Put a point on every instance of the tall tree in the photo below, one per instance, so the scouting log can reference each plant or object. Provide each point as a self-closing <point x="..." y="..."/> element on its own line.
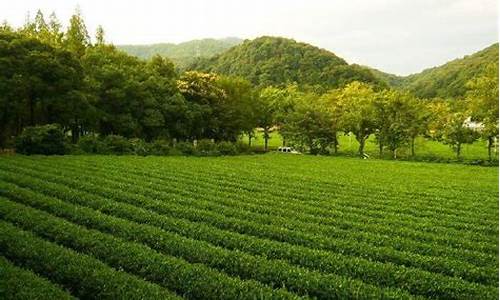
<point x="358" y="114"/>
<point x="449" y="124"/>
<point x="400" y="119"/>
<point x="99" y="36"/>
<point x="310" y="125"/>
<point x="331" y="102"/>
<point x="77" y="37"/>
<point x="267" y="110"/>
<point x="483" y="99"/>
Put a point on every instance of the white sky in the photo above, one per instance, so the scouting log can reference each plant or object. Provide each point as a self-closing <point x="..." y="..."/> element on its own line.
<point x="397" y="36"/>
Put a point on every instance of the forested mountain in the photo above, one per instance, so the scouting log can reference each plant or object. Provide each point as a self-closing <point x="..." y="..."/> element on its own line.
<point x="277" y="61"/>
<point x="445" y="81"/>
<point x="185" y="53"/>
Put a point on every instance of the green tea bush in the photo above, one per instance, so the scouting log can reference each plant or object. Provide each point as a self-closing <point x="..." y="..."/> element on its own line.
<point x="18" y="283"/>
<point x="163" y="220"/>
<point x="46" y="139"/>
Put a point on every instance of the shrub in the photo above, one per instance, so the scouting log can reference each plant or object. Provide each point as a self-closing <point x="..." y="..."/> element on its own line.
<point x="139" y="147"/>
<point x="47" y="139"/>
<point x="227" y="148"/>
<point x="160" y="147"/>
<point x="243" y="148"/>
<point x="90" y="144"/>
<point x="116" y="144"/>
<point x="206" y="147"/>
<point x="186" y="148"/>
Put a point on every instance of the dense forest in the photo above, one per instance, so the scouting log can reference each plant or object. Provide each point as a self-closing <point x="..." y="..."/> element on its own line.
<point x="450" y="79"/>
<point x="91" y="91"/>
<point x="279" y="61"/>
<point x="182" y="54"/>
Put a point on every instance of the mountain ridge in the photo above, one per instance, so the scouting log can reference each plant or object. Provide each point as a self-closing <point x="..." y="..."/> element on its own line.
<point x="308" y="64"/>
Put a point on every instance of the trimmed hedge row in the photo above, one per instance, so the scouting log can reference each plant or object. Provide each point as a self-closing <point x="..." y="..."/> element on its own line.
<point x="276" y="273"/>
<point x="311" y="207"/>
<point x="363" y="233"/>
<point x="17" y="283"/>
<point x="265" y="207"/>
<point x="384" y="254"/>
<point x="414" y="280"/>
<point x="188" y="280"/>
<point x="82" y="275"/>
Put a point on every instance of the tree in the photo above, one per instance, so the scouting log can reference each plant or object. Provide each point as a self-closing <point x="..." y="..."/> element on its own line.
<point x="483" y="100"/>
<point x="266" y="110"/>
<point x="284" y="106"/>
<point x="331" y="102"/>
<point x="310" y="125"/>
<point x="99" y="36"/>
<point x="56" y="35"/>
<point x="235" y="111"/>
<point x="202" y="94"/>
<point x="37" y="83"/>
<point x="113" y="82"/>
<point x="449" y="124"/>
<point x="358" y="114"/>
<point x="400" y="119"/>
<point x="77" y="37"/>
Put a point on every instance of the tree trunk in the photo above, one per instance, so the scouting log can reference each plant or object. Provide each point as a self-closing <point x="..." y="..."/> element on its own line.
<point x="249" y="140"/>
<point x="394" y="155"/>
<point x="75" y="132"/>
<point x="412" y="146"/>
<point x="459" y="148"/>
<point x="284" y="142"/>
<point x="335" y="145"/>
<point x="361" y="146"/>
<point x="31" y="104"/>
<point x="266" y="139"/>
<point x="380" y="149"/>
<point x="490" y="144"/>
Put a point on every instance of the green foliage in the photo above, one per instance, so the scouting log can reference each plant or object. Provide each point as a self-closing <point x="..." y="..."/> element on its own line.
<point x="17" y="283"/>
<point x="47" y="140"/>
<point x="90" y="144"/>
<point x="183" y="54"/>
<point x="116" y="144"/>
<point x="269" y="61"/>
<point x="358" y="114"/>
<point x="449" y="124"/>
<point x="400" y="119"/>
<point x="227" y="148"/>
<point x="249" y="232"/>
<point x="84" y="276"/>
<point x="39" y="84"/>
<point x="450" y="80"/>
<point x="309" y="125"/>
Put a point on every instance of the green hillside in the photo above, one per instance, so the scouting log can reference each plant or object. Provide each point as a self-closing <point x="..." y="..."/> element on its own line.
<point x="448" y="80"/>
<point x="275" y="60"/>
<point x="182" y="54"/>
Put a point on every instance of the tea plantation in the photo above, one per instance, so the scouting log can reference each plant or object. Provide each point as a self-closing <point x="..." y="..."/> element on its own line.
<point x="248" y="227"/>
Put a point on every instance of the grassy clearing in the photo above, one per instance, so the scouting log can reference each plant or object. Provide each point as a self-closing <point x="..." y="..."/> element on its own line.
<point x="424" y="148"/>
<point x="266" y="226"/>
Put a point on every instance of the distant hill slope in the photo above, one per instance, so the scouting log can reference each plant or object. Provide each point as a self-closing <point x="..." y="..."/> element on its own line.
<point x="182" y="54"/>
<point x="275" y="60"/>
<point x="448" y="80"/>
